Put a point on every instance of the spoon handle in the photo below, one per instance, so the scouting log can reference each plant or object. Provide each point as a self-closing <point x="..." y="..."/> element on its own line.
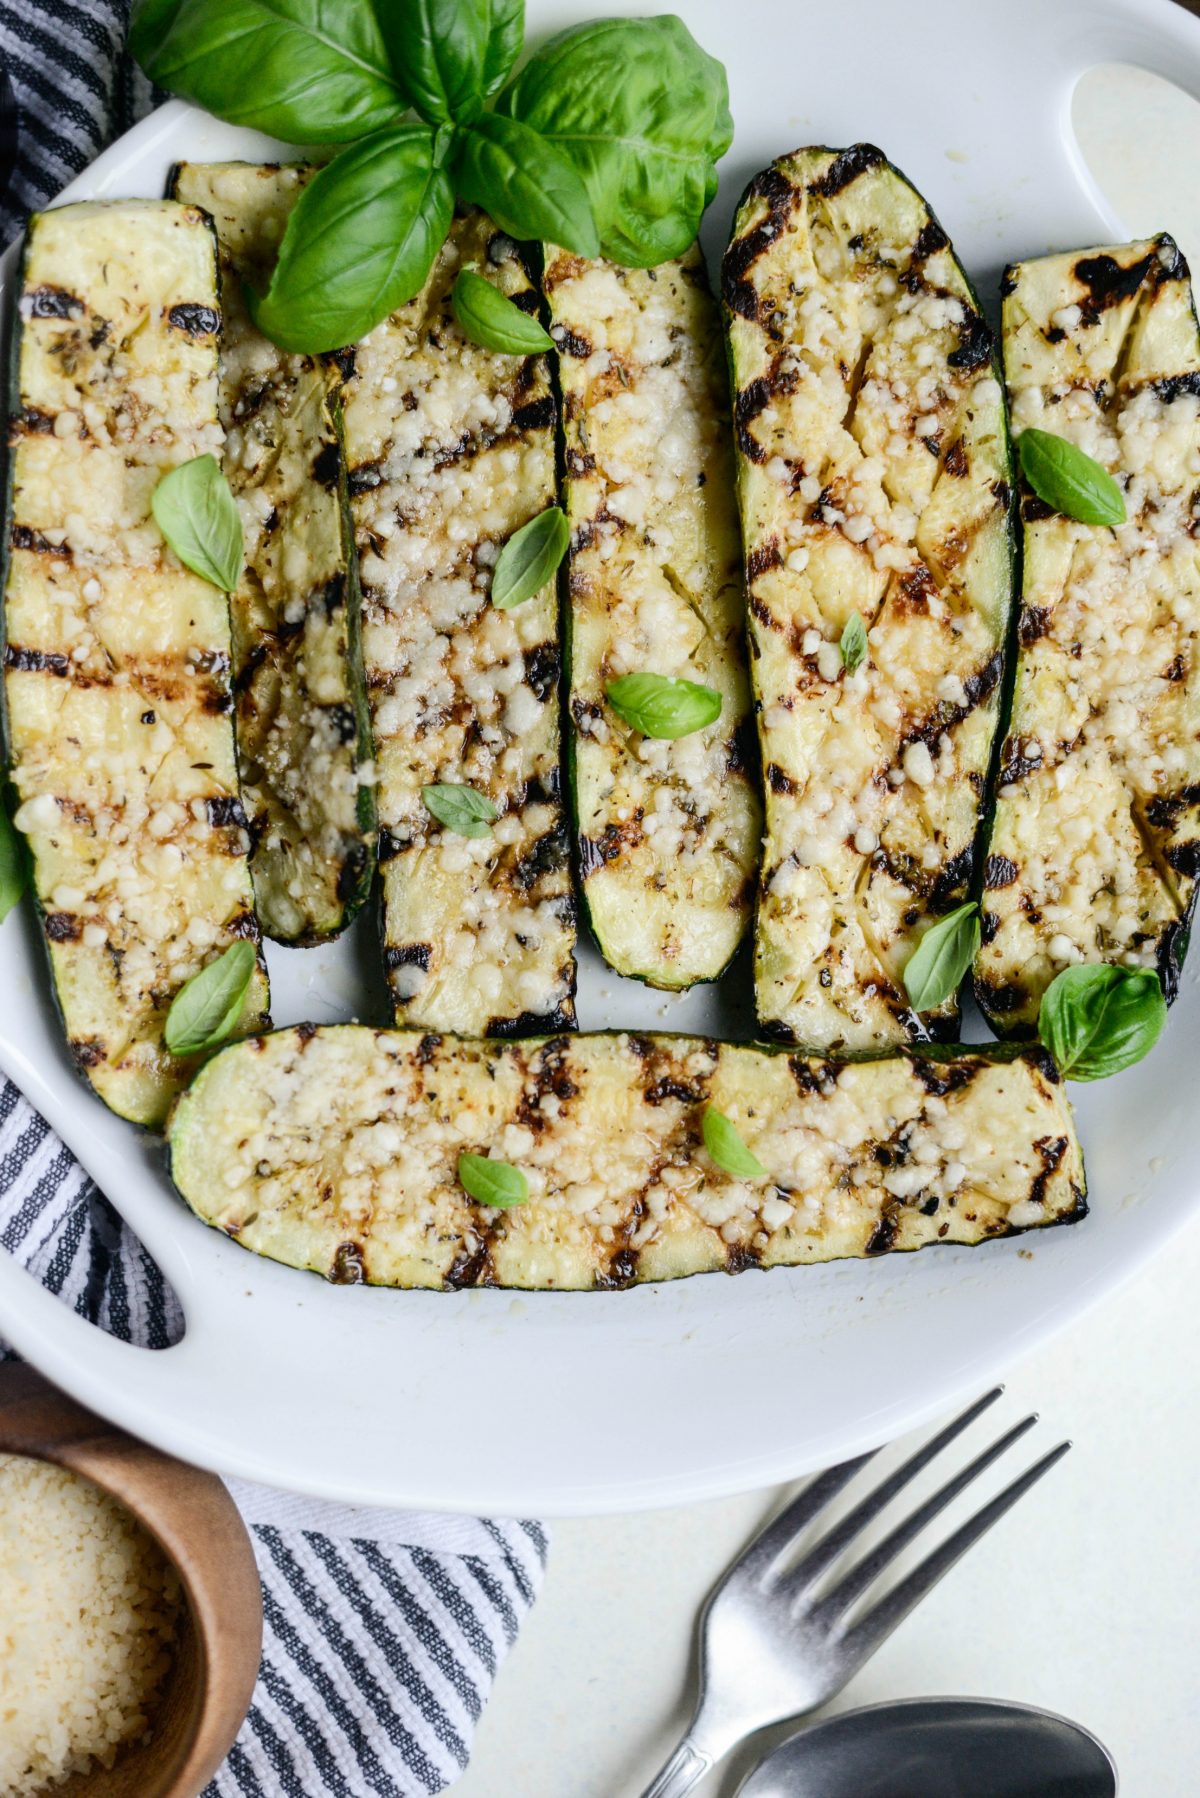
<point x="685" y="1769"/>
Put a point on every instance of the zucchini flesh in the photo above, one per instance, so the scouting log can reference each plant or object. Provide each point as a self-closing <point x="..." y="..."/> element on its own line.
<point x="667" y="833"/>
<point x="1095" y="844"/>
<point x="116" y="657"/>
<point x="303" y="731"/>
<point x="450" y="449"/>
<point x="874" y="476"/>
<point x="336" y="1149"/>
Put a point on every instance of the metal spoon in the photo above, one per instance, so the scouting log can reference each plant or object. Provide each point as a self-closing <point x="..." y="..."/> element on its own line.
<point x="938" y="1748"/>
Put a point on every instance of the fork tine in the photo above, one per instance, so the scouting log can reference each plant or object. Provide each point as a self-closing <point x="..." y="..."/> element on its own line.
<point x="867" y="1634"/>
<point x="771" y="1543"/>
<point x="830" y="1546"/>
<point x="868" y="1569"/>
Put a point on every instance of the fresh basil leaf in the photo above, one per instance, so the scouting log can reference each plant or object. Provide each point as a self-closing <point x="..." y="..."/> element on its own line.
<point x="1096" y="1019"/>
<point x="196" y="512"/>
<point x="309" y="71"/>
<point x="1068" y="479"/>
<point x="724" y="1143"/>
<point x="14" y="863"/>
<point x="505" y="41"/>
<point x="490" y="319"/>
<point x="853" y="643"/>
<point x="460" y="808"/>
<point x="441" y="46"/>
<point x="359" y="242"/>
<point x="207" y="1007"/>
<point x="659" y="705"/>
<point x="643" y="113"/>
<point x="495" y="1183"/>
<point x="529" y="558"/>
<point x="935" y="969"/>
<point x="530" y="186"/>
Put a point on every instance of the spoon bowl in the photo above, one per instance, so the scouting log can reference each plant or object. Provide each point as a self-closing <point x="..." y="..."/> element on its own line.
<point x="938" y="1748"/>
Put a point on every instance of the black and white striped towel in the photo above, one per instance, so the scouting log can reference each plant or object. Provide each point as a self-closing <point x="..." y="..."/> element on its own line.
<point x="383" y="1631"/>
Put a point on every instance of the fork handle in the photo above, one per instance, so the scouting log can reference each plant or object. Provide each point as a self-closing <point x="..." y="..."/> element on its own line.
<point x="685" y="1769"/>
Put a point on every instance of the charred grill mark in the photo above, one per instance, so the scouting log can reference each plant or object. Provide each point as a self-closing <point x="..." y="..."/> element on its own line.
<point x="950" y="885"/>
<point x="945" y="717"/>
<point x="364" y="479"/>
<point x="390" y="846"/>
<point x="427" y="1048"/>
<point x="24" y="538"/>
<point x="344" y="721"/>
<point x="1000" y="999"/>
<point x="580" y="464"/>
<point x="813" y="1078"/>
<point x="751" y="400"/>
<point x="39" y="661"/>
<point x="29" y="422"/>
<point x="543" y="664"/>
<point x="884" y="1234"/>
<point x="343" y="361"/>
<point x="326" y="464"/>
<point x="743" y="747"/>
<point x="538" y="415"/>
<point x="667" y="1087"/>
<point x="570" y="343"/>
<point x="940" y="1078"/>
<point x="50" y="302"/>
<point x="1051" y="1150"/>
<point x="194" y="320"/>
<point x="348" y="1267"/>
<point x="778" y="781"/>
<point x="471" y="1267"/>
<point x="999" y="871"/>
<point x="773" y="186"/>
<point x="1176" y="670"/>
<point x="250" y="667"/>
<point x="244" y="926"/>
<point x="88" y="1052"/>
<point x="534" y="1023"/>
<point x="1108" y="283"/>
<point x="1034" y="510"/>
<point x="595" y="852"/>
<point x="547" y="855"/>
<point x="989" y="927"/>
<point x="1175" y="386"/>
<point x="956" y="463"/>
<point x="225" y="810"/>
<point x="974" y="343"/>
<point x="1172" y="949"/>
<point x="63" y="927"/>
<point x="766" y="556"/>
<point x="1008" y="280"/>
<point x="930" y="239"/>
<point x="550" y="1075"/>
<point x="1185" y="858"/>
<point x="846" y="167"/>
<point x="1035" y="623"/>
<point x="404" y="955"/>
<point x="351" y="871"/>
<point x="1163" y="810"/>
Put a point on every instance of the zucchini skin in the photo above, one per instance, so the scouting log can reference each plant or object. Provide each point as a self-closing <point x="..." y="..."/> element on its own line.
<point x="1094" y="846"/>
<point x="303" y="726"/>
<point x="666" y="833"/>
<point x="116" y="659"/>
<point x="450" y="449"/>
<point x="874" y="475"/>
<point x="335" y="1149"/>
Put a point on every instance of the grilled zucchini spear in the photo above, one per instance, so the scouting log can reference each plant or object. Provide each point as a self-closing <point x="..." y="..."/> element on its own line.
<point x="116" y="658"/>
<point x="873" y="473"/>
<point x="303" y="733"/>
<point x="667" y="831"/>
<point x="337" y="1150"/>
<point x="450" y="449"/>
<point x="1095" y="845"/>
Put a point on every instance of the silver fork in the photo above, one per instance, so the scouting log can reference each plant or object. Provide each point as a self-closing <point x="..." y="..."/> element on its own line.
<point x="770" y="1649"/>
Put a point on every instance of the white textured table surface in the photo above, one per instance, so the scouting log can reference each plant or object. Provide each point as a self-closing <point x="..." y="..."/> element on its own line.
<point x="1085" y="1598"/>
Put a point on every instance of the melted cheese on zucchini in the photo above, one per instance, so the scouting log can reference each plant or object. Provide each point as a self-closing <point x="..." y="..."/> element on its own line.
<point x="451" y="449"/>
<point x="873" y="471"/>
<point x="667" y="831"/>
<point x="336" y="1149"/>
<point x="1095" y="846"/>
<point x="116" y="658"/>
<point x="303" y="733"/>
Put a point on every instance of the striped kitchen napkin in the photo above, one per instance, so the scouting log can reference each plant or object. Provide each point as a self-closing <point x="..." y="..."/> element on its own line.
<point x="383" y="1631"/>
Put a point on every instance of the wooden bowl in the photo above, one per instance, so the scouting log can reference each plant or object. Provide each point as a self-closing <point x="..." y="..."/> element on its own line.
<point x="196" y="1523"/>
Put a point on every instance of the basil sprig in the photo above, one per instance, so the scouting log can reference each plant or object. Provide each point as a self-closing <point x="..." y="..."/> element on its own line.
<point x="460" y="808"/>
<point x="207" y="1007"/>
<point x="529" y="558"/>
<point x="724" y="1143"/>
<point x="14" y="863"/>
<point x="490" y="319"/>
<point x="196" y="512"/>
<point x="936" y="966"/>
<point x="853" y="643"/>
<point x="1096" y="1019"/>
<point x="1069" y="480"/>
<point x="606" y="142"/>
<point x="495" y="1183"/>
<point x="660" y="705"/>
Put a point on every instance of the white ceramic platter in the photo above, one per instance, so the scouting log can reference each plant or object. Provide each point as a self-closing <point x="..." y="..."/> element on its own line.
<point x="561" y="1403"/>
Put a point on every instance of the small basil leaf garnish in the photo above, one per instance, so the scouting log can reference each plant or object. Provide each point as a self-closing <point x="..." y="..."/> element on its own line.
<point x="935" y="969"/>
<point x="196" y="512"/>
<point x="460" y="808"/>
<point x="529" y="558"/>
<point x="853" y="643"/>
<point x="643" y="113"/>
<point x="1096" y="1019"/>
<point x="724" y="1143"/>
<point x="490" y="319"/>
<point x="531" y="187"/>
<point x="489" y="1182"/>
<point x="659" y="705"/>
<point x="359" y="242"/>
<point x="207" y="1007"/>
<point x="14" y="863"/>
<point x="1069" y="480"/>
